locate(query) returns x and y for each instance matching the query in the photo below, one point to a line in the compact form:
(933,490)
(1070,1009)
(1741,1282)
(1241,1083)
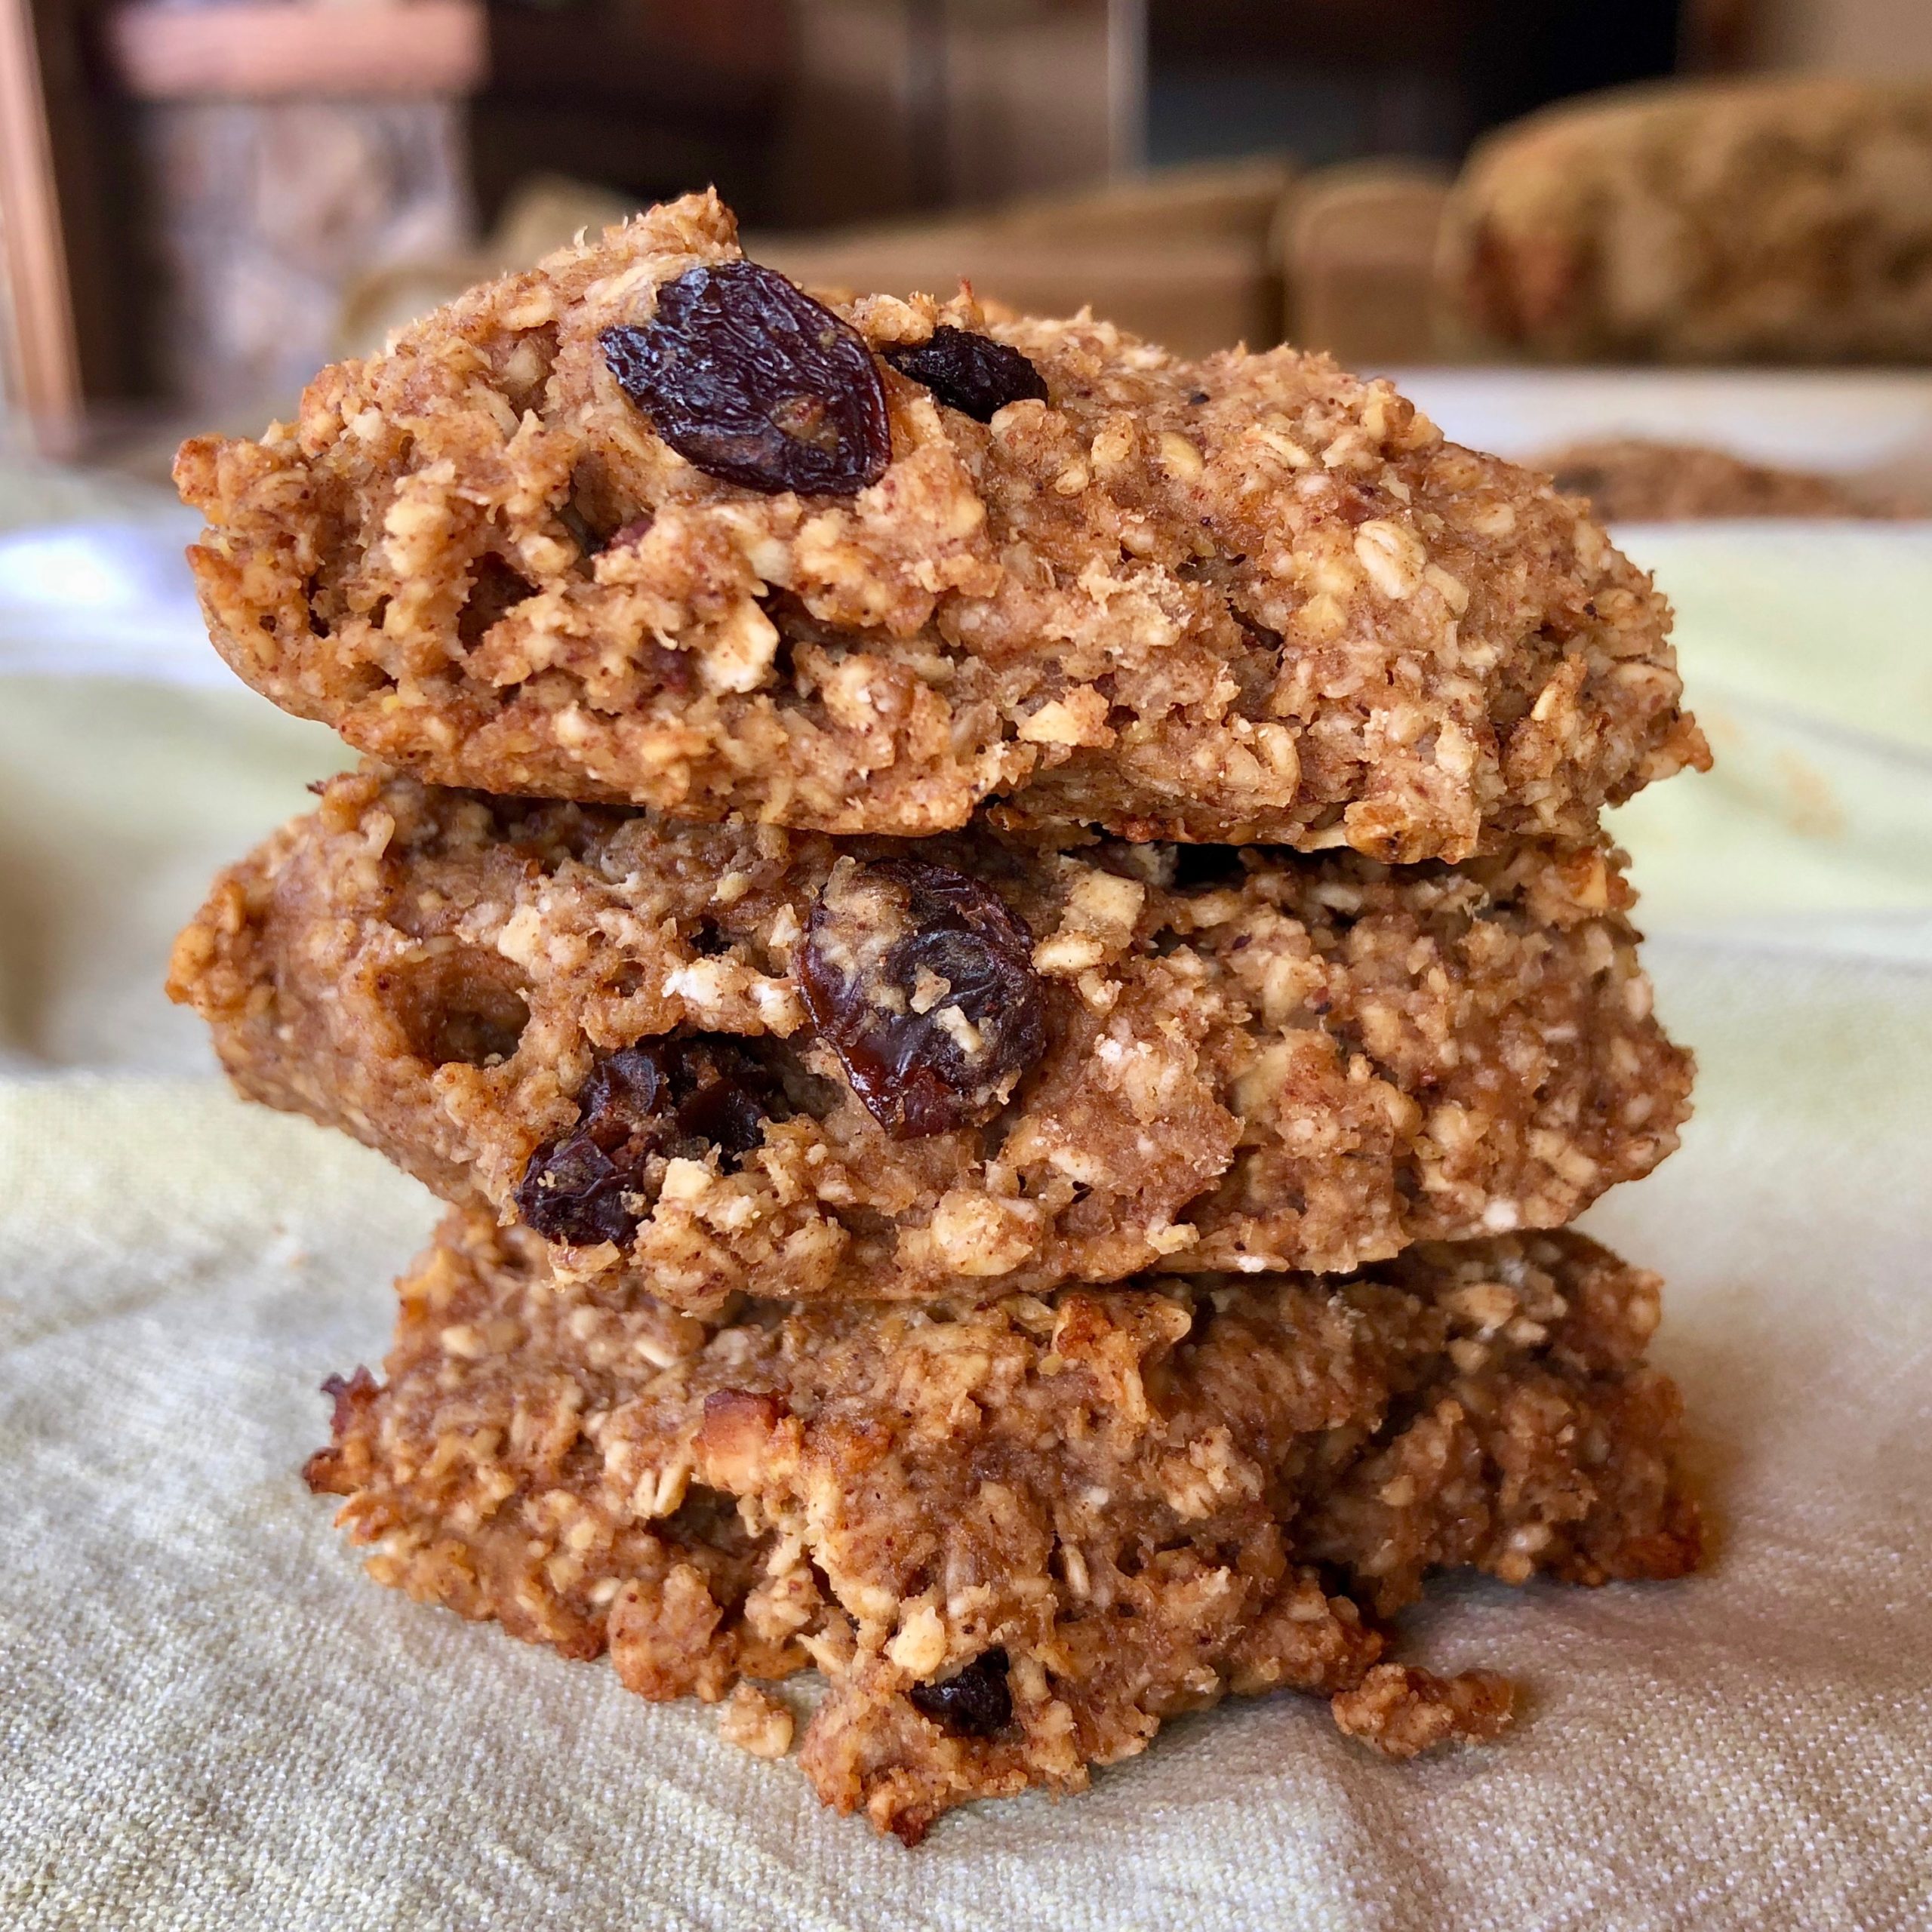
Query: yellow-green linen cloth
(208,1718)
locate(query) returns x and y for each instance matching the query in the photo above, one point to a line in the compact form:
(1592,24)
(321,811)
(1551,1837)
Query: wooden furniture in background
(1358,249)
(1344,80)
(904,107)
(647,98)
(286,149)
(1182,257)
(258,50)
(40,357)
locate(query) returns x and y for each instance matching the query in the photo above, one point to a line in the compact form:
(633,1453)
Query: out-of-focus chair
(1357,249)
(544,213)
(1768,220)
(1183,255)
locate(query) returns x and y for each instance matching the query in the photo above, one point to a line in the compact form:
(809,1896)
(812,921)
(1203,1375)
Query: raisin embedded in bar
(972,373)
(753,381)
(921,980)
(664,1099)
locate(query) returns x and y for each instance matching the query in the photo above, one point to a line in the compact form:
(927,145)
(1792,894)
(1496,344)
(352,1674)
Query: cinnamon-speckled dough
(1014,1538)
(1257,1060)
(1248,597)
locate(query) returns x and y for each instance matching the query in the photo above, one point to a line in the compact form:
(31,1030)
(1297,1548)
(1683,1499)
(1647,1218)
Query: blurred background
(202,200)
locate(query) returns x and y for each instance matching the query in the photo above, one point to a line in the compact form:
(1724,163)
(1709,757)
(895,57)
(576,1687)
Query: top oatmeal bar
(647,524)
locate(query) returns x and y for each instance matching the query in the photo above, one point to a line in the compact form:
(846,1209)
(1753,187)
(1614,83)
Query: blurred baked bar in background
(1631,479)
(1772,219)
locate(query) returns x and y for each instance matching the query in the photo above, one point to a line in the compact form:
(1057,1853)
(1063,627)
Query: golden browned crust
(1782,218)
(1016,1538)
(1250,598)
(1291,1061)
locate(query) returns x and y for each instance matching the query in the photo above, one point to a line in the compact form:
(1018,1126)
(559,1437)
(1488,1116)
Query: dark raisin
(642,1106)
(922,981)
(748,378)
(978,1703)
(972,373)
(573,1191)
(347,1394)
(723,1098)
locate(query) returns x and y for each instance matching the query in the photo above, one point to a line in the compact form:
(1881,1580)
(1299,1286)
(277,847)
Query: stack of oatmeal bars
(1001,945)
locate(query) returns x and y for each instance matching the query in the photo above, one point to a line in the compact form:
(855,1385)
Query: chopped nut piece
(1402,1711)
(754,1720)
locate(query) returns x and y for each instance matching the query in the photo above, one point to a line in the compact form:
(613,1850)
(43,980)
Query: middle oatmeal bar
(732,1059)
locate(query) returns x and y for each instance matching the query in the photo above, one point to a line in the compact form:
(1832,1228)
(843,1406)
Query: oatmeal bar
(646,524)
(1777,219)
(1013,1539)
(1626,479)
(729,1058)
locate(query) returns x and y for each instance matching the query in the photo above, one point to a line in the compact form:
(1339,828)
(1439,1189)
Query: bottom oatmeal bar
(1014,1538)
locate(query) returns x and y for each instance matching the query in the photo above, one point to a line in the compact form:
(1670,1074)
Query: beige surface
(208,1719)
(117,800)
